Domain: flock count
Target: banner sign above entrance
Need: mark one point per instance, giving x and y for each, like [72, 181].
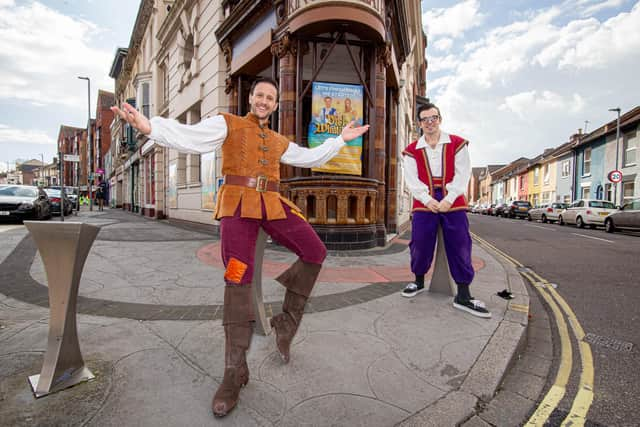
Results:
[333, 106]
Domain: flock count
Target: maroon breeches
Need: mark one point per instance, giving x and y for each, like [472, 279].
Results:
[239, 235]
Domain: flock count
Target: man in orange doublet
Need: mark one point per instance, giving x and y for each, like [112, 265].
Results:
[248, 200]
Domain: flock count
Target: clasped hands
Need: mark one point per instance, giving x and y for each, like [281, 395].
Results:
[439, 206]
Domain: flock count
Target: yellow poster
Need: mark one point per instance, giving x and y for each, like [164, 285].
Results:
[333, 106]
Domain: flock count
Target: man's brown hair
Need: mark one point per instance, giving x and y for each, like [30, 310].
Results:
[268, 80]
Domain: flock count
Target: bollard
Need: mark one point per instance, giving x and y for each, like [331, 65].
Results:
[441, 281]
[63, 248]
[262, 326]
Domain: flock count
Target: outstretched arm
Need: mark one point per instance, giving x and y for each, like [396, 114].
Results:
[318, 156]
[202, 137]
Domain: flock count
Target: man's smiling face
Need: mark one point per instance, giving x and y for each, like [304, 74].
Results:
[263, 100]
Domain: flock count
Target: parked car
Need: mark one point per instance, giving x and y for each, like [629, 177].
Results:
[627, 218]
[23, 202]
[483, 209]
[490, 209]
[586, 212]
[518, 209]
[500, 208]
[71, 193]
[55, 198]
[548, 212]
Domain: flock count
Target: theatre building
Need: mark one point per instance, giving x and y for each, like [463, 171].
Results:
[336, 61]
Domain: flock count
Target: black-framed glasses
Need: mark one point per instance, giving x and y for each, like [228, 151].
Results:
[429, 119]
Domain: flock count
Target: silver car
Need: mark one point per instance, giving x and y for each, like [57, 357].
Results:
[549, 212]
[627, 218]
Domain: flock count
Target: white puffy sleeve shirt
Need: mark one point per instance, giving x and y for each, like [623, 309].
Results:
[462, 172]
[209, 134]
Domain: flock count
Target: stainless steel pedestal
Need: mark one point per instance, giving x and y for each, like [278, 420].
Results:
[262, 325]
[441, 281]
[63, 247]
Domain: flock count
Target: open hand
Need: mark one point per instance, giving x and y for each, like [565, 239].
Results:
[133, 117]
[350, 132]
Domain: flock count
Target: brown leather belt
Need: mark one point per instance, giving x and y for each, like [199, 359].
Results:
[260, 183]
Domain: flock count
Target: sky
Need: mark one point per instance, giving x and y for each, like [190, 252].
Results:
[512, 76]
[44, 47]
[515, 77]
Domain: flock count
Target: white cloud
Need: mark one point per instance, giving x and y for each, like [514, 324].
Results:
[453, 21]
[443, 44]
[440, 63]
[598, 7]
[529, 84]
[532, 102]
[590, 44]
[43, 52]
[9, 135]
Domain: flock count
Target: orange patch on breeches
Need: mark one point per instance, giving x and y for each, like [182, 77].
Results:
[235, 270]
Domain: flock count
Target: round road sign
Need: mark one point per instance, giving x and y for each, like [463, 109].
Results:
[615, 176]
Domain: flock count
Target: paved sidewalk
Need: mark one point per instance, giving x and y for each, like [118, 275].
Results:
[149, 309]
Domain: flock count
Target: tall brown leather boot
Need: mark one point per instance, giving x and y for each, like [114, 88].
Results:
[299, 280]
[238, 329]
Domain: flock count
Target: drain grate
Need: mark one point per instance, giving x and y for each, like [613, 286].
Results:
[608, 342]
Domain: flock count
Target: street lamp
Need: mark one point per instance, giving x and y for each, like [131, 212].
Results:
[42, 169]
[617, 110]
[89, 141]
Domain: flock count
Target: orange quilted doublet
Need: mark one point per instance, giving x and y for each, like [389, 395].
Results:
[251, 150]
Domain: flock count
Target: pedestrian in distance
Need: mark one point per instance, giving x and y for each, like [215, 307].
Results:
[437, 170]
[250, 199]
[99, 196]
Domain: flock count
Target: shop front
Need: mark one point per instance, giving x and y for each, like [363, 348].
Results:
[336, 62]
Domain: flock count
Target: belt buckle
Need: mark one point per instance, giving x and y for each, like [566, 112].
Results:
[261, 183]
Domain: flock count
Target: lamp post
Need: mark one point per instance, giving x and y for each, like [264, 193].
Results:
[89, 143]
[41, 169]
[617, 110]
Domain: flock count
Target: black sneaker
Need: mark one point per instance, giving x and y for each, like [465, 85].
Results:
[472, 306]
[411, 290]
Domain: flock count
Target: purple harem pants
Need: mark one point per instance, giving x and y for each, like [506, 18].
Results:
[457, 242]
[239, 235]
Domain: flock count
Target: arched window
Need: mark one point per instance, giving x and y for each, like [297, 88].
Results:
[332, 209]
[352, 210]
[311, 209]
[368, 210]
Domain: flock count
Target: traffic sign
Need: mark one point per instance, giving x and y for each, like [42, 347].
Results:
[615, 176]
[71, 158]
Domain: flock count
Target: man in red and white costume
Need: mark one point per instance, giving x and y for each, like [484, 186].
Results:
[437, 169]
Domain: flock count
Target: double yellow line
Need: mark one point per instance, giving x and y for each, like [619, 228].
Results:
[584, 397]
